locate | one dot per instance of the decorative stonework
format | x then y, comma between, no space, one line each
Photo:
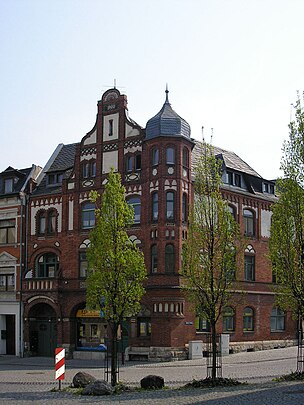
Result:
110,147
133,143
132,176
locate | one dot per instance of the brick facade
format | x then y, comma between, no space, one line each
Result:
60,220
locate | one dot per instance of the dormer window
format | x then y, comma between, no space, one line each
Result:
234,179
268,188
8,185
55,179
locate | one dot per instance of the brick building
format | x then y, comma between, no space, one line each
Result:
156,168
15,186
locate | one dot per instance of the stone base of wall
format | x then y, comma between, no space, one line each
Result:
155,353
173,354
83,355
236,347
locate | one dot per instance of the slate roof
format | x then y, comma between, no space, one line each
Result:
63,163
167,123
231,160
20,174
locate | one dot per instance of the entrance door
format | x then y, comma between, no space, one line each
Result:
43,331
10,334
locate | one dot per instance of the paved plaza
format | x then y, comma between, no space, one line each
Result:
28,380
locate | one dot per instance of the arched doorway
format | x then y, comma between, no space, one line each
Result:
43,330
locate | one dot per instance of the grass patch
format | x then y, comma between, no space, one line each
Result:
210,383
293,376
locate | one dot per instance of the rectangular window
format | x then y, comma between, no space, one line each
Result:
144,327
249,268
7,279
201,325
137,162
55,179
237,180
8,185
83,264
7,231
230,178
111,127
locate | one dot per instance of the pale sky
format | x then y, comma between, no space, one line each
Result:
231,65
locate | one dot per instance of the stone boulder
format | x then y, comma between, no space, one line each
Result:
82,379
98,387
152,382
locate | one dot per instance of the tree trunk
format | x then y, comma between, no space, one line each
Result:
114,356
213,345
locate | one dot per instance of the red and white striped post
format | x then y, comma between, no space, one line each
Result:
59,364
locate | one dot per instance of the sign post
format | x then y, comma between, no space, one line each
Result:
59,365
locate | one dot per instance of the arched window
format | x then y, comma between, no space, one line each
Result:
88,215
155,156
170,205
154,259
232,211
170,156
228,319
51,221
169,259
135,203
248,319
249,228
155,206
41,223
277,320
47,265
184,207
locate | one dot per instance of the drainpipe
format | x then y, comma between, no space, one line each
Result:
22,204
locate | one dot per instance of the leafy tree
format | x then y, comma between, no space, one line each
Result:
117,270
287,229
209,254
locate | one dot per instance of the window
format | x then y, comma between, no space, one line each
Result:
170,205
248,223
89,169
154,259
88,215
55,179
135,203
144,326
228,319
184,207
52,216
232,211
129,163
137,162
234,179
170,156
249,268
155,206
248,319
202,325
133,163
7,279
169,259
47,265
7,231
8,185
46,222
83,264
111,127
277,320
185,157
155,157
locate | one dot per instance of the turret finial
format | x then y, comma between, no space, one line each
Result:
167,92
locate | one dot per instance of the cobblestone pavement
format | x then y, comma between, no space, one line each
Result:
29,380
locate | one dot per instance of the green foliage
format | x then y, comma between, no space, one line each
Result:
209,254
287,229
293,376
210,383
117,268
